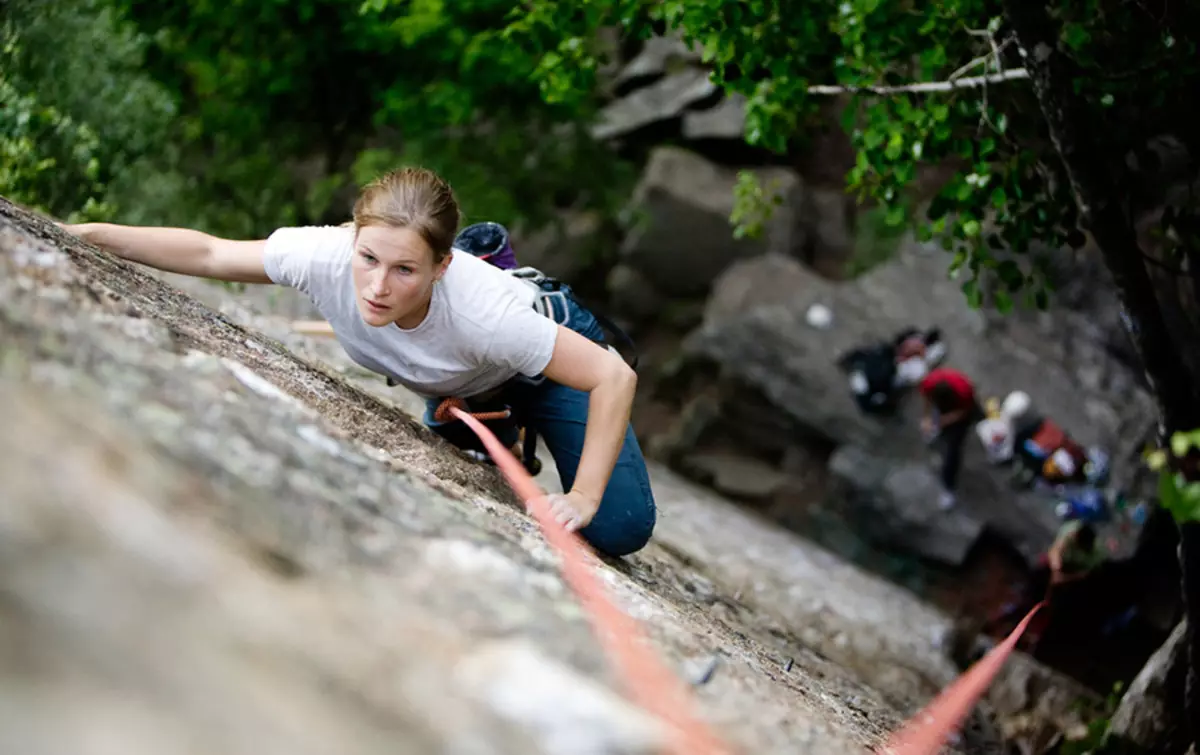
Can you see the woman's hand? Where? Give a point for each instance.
(573, 510)
(79, 230)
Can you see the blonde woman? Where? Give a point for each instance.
(447, 325)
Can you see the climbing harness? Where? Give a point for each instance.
(526, 437)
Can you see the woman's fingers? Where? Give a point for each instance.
(563, 512)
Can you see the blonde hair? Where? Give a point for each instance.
(414, 198)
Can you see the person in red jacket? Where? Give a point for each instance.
(950, 411)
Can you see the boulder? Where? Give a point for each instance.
(895, 503)
(756, 331)
(725, 120)
(665, 99)
(1150, 713)
(659, 56)
(740, 477)
(631, 295)
(563, 248)
(828, 217)
(681, 237)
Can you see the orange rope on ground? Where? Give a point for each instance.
(657, 690)
(926, 732)
(647, 680)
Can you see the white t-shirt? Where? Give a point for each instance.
(481, 329)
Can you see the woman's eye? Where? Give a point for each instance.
(368, 258)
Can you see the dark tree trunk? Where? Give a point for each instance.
(1107, 212)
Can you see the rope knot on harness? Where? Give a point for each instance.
(444, 412)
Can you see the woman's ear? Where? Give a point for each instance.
(440, 270)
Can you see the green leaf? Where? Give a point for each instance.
(1178, 497)
(895, 145)
(1180, 443)
(1168, 492)
(970, 288)
(1010, 275)
(971, 228)
(1156, 460)
(1075, 35)
(1004, 303)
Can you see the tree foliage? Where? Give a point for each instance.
(78, 111)
(237, 117)
(1010, 199)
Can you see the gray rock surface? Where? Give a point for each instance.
(681, 234)
(1147, 714)
(755, 329)
(562, 248)
(725, 120)
(231, 541)
(665, 99)
(736, 476)
(658, 56)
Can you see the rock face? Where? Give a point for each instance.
(660, 83)
(681, 235)
(755, 330)
(1147, 715)
(224, 546)
(663, 95)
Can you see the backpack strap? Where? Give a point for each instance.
(552, 287)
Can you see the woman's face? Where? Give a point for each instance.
(394, 274)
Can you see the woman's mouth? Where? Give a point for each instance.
(376, 306)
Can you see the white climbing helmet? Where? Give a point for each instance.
(1015, 405)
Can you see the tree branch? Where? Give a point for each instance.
(950, 85)
(984, 59)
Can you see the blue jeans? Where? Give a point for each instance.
(627, 514)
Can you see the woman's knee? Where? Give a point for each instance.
(627, 515)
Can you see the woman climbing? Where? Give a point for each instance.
(451, 328)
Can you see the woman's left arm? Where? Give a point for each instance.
(610, 383)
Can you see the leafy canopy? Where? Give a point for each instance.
(1008, 201)
(239, 116)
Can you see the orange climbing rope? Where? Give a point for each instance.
(648, 681)
(926, 732)
(653, 686)
(444, 411)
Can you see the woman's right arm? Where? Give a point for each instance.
(179, 250)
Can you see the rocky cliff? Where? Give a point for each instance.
(218, 536)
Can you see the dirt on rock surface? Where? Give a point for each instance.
(210, 544)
